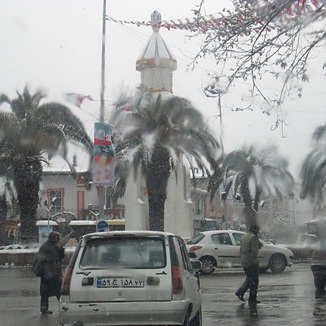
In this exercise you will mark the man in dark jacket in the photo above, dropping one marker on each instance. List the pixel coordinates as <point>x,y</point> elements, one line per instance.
<point>51,253</point>
<point>249,259</point>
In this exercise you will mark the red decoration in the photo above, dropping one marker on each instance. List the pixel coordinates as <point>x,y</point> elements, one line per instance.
<point>226,23</point>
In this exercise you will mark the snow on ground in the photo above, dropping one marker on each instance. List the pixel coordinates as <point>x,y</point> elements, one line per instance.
<point>29,249</point>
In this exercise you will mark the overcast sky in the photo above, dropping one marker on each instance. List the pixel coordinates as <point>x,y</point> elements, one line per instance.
<point>56,45</point>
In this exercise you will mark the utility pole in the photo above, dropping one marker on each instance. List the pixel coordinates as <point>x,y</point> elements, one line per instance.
<point>101,187</point>
<point>221,122</point>
<point>103,62</point>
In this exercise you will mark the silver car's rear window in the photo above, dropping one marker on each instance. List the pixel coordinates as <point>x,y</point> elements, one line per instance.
<point>134,252</point>
<point>196,238</point>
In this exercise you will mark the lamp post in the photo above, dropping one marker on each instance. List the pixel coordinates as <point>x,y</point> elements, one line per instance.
<point>53,200</point>
<point>213,90</point>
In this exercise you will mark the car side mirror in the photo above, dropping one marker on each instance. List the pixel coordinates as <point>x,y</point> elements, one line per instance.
<point>196,265</point>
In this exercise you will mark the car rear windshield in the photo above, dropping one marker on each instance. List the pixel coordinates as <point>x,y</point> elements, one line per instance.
<point>134,252</point>
<point>196,238</point>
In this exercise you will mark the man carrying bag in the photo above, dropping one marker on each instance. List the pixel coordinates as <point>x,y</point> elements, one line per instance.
<point>48,267</point>
<point>249,248</point>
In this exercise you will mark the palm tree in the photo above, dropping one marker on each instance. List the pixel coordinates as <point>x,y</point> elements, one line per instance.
<point>3,215</point>
<point>8,203</point>
<point>156,134</point>
<point>28,132</point>
<point>313,170</point>
<point>255,173</point>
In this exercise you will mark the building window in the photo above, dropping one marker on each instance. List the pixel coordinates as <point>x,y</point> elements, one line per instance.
<point>55,197</point>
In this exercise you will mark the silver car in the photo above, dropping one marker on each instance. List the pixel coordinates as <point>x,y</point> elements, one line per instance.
<point>131,278</point>
<point>221,248</point>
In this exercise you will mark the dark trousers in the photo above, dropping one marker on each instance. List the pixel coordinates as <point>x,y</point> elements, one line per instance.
<point>49,288</point>
<point>45,302</point>
<point>251,282</point>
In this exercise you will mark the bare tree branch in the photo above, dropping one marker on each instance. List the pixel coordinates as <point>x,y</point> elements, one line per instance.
<point>263,38</point>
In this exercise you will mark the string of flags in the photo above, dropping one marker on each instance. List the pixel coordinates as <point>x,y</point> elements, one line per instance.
<point>224,23</point>
<point>77,99</point>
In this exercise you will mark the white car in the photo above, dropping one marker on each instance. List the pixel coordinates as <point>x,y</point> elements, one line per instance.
<point>131,278</point>
<point>221,248</point>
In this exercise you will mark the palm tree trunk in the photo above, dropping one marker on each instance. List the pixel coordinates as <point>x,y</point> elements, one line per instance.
<point>248,213</point>
<point>3,215</point>
<point>27,179</point>
<point>257,199</point>
<point>156,202</point>
<point>156,182</point>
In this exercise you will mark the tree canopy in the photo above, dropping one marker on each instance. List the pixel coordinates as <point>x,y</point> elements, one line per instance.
<point>260,40</point>
<point>31,132</point>
<point>313,171</point>
<point>257,173</point>
<point>156,133</point>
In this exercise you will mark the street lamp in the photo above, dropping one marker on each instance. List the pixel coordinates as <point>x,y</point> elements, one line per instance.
<point>90,213</point>
<point>214,90</point>
<point>52,203</point>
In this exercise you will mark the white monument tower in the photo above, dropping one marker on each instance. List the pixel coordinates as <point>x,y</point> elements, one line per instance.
<point>156,64</point>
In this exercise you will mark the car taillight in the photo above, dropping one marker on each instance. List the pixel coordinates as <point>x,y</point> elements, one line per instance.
<point>177,284</point>
<point>65,288</point>
<point>195,248</point>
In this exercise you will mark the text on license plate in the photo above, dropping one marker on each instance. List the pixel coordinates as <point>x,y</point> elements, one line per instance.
<point>119,282</point>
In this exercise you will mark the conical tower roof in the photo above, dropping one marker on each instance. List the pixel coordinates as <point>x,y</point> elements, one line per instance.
<point>156,62</point>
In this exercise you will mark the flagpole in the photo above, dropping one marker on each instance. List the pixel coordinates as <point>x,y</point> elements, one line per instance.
<point>101,187</point>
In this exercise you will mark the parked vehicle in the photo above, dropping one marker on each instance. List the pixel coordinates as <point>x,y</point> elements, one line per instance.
<point>221,248</point>
<point>318,262</point>
<point>303,247</point>
<point>204,224</point>
<point>131,278</point>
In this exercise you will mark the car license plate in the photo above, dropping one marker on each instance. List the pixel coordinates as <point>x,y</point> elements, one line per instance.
<point>119,282</point>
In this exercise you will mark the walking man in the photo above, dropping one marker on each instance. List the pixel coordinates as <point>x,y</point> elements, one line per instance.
<point>51,253</point>
<point>249,259</point>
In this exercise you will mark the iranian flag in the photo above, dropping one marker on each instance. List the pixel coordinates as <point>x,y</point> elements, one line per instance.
<point>77,99</point>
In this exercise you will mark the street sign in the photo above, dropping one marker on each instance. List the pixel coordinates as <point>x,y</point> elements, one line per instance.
<point>102,226</point>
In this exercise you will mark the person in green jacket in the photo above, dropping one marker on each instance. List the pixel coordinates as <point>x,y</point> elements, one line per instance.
<point>249,259</point>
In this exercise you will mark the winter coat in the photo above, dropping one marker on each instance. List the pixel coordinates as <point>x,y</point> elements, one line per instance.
<point>249,250</point>
<point>51,279</point>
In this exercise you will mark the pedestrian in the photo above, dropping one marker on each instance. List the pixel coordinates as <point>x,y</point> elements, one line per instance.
<point>50,254</point>
<point>249,248</point>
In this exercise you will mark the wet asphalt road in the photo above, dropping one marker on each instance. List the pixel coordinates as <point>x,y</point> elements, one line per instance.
<point>287,299</point>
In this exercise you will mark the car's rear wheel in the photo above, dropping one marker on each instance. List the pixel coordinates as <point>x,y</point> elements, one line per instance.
<point>207,265</point>
<point>277,263</point>
<point>320,282</point>
<point>197,320</point>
